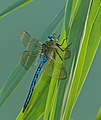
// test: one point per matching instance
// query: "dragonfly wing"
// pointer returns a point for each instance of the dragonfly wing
(63, 72)
(27, 58)
(67, 53)
(50, 66)
(29, 42)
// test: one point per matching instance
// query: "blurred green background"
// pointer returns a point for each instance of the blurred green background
(34, 18)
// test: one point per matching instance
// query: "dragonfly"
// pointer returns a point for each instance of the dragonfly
(47, 52)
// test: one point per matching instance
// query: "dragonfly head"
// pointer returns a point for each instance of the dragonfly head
(54, 37)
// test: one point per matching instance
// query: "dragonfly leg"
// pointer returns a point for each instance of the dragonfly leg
(62, 42)
(61, 48)
(68, 46)
(59, 55)
(65, 48)
(58, 36)
(67, 51)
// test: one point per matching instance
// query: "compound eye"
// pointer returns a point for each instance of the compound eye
(51, 37)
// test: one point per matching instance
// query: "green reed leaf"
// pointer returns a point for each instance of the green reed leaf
(13, 7)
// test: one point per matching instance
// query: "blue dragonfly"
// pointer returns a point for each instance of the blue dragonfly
(47, 52)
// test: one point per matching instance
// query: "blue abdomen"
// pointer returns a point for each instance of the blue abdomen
(42, 62)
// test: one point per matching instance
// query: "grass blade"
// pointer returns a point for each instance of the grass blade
(60, 89)
(54, 101)
(11, 83)
(54, 79)
(94, 39)
(13, 7)
(87, 51)
(98, 117)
